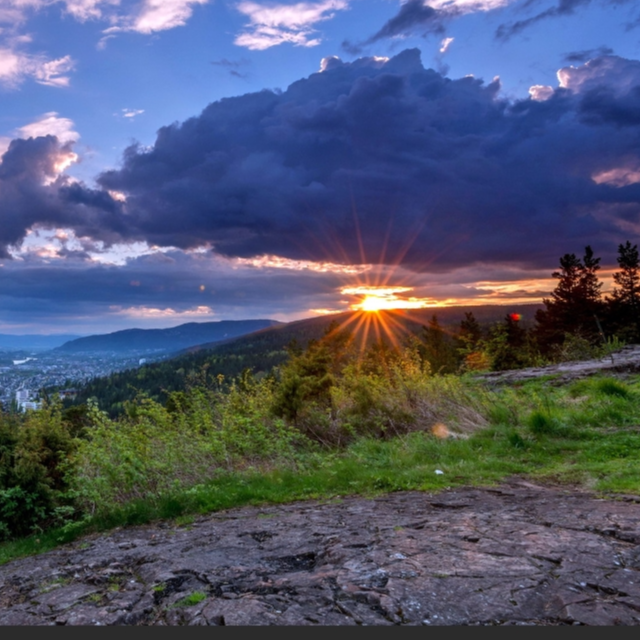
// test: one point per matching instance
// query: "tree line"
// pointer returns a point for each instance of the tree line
(578, 321)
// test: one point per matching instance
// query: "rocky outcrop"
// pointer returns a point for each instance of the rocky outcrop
(625, 361)
(516, 554)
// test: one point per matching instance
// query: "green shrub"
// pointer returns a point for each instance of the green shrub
(34, 470)
(154, 450)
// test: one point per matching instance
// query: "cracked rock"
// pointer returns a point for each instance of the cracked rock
(518, 554)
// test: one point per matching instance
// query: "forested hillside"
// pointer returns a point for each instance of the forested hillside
(167, 340)
(260, 352)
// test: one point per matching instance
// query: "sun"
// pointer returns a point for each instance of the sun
(375, 303)
(379, 298)
(372, 303)
(380, 313)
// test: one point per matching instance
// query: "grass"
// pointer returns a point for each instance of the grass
(191, 600)
(586, 433)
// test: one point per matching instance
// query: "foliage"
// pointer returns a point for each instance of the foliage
(511, 346)
(624, 303)
(438, 348)
(34, 453)
(584, 432)
(575, 304)
(157, 449)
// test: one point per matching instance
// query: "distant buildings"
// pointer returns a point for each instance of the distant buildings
(25, 401)
(32, 406)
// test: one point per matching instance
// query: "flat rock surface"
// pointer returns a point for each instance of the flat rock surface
(515, 554)
(625, 361)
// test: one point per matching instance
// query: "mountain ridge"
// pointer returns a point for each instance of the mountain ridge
(168, 340)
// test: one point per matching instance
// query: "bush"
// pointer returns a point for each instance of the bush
(155, 450)
(34, 471)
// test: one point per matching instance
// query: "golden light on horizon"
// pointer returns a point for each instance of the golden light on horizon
(372, 298)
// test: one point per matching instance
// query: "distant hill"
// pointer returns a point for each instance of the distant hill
(166, 340)
(265, 349)
(403, 322)
(37, 342)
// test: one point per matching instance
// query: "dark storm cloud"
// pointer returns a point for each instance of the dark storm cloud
(26, 166)
(563, 8)
(375, 160)
(399, 160)
(33, 191)
(599, 107)
(587, 54)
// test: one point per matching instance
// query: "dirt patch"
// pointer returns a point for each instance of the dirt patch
(516, 554)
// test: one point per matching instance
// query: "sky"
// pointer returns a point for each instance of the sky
(171, 161)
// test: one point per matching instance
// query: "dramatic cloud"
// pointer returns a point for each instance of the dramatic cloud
(274, 24)
(375, 161)
(399, 160)
(35, 191)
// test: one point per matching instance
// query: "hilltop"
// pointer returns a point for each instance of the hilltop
(166, 340)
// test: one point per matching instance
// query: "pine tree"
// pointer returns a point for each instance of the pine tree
(508, 346)
(470, 331)
(624, 303)
(437, 348)
(575, 304)
(590, 294)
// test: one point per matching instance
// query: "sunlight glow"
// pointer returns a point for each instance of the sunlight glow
(276, 262)
(379, 298)
(325, 312)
